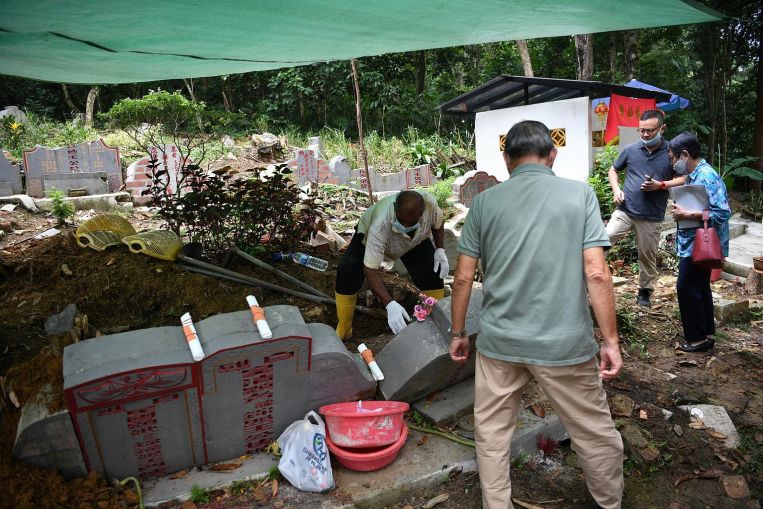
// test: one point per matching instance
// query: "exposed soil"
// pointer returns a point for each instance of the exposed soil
(120, 291)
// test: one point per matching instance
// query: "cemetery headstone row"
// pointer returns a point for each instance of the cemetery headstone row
(87, 160)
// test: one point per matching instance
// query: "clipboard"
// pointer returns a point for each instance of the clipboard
(690, 197)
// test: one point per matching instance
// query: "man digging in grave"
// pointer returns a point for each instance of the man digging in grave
(541, 243)
(401, 226)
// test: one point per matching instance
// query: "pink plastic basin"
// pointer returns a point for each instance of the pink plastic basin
(368, 459)
(380, 426)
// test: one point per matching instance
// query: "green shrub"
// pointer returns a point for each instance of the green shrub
(599, 180)
(442, 190)
(199, 495)
(62, 209)
(172, 110)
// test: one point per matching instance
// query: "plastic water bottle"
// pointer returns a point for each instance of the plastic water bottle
(310, 261)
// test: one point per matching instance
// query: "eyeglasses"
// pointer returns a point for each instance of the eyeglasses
(648, 131)
(672, 159)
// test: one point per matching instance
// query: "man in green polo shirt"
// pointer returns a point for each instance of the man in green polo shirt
(541, 241)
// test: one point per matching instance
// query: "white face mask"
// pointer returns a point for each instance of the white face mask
(404, 229)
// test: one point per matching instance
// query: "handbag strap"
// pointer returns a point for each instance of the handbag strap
(705, 218)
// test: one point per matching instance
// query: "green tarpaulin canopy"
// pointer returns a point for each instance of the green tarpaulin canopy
(107, 41)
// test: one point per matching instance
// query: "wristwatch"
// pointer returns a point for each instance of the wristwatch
(457, 333)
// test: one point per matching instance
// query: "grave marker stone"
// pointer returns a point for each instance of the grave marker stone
(82, 158)
(138, 174)
(307, 166)
(141, 406)
(471, 183)
(9, 174)
(420, 176)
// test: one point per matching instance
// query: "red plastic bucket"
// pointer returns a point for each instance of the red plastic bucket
(368, 459)
(373, 424)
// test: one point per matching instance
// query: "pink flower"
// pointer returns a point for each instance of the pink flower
(417, 309)
(430, 301)
(420, 316)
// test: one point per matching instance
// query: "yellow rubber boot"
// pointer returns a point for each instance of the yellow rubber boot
(437, 294)
(345, 309)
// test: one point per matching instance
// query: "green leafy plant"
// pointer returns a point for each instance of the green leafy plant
(12, 133)
(599, 179)
(199, 495)
(442, 191)
(739, 168)
(62, 208)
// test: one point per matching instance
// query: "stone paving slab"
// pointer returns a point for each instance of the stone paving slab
(421, 465)
(743, 247)
(716, 417)
(449, 405)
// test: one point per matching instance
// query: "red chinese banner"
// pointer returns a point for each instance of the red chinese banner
(625, 111)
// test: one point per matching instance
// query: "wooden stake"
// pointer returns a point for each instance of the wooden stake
(359, 117)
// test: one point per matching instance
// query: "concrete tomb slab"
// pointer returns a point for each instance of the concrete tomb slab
(47, 439)
(450, 404)
(94, 156)
(471, 183)
(10, 174)
(416, 361)
(141, 406)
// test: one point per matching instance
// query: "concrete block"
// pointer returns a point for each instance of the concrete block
(724, 309)
(416, 362)
(6, 189)
(24, 200)
(62, 322)
(46, 439)
(143, 407)
(715, 417)
(99, 202)
(450, 405)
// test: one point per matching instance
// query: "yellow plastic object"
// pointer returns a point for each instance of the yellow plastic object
(102, 231)
(162, 244)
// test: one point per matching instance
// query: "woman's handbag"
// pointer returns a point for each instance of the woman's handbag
(706, 253)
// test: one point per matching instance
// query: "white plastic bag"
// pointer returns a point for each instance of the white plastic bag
(305, 458)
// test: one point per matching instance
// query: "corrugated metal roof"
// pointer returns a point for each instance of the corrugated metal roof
(507, 91)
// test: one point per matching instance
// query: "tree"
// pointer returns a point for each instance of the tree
(527, 65)
(584, 53)
(90, 105)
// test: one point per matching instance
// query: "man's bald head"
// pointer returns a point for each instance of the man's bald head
(409, 207)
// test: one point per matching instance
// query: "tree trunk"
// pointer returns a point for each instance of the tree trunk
(189, 86)
(73, 107)
(90, 106)
(757, 137)
(613, 57)
(584, 53)
(631, 53)
(524, 54)
(421, 71)
(359, 117)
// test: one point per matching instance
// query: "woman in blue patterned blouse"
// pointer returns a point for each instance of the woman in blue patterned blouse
(695, 299)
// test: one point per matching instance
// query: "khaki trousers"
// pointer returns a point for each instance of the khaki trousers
(578, 398)
(647, 242)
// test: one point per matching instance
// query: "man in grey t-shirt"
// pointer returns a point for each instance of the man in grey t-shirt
(541, 241)
(642, 201)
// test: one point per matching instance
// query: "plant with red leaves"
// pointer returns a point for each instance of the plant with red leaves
(546, 444)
